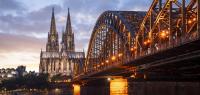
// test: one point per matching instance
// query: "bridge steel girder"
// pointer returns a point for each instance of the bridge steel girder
(167, 24)
(177, 20)
(117, 40)
(111, 37)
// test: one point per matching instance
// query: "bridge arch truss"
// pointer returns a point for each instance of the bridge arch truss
(122, 36)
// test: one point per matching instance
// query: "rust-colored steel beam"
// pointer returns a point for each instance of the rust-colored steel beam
(183, 19)
(170, 22)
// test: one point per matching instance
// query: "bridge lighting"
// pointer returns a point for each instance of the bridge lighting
(145, 43)
(120, 54)
(133, 48)
(189, 21)
(148, 41)
(164, 34)
(113, 58)
(167, 32)
(145, 77)
(194, 19)
(133, 76)
(102, 63)
(119, 86)
(77, 89)
(57, 90)
(108, 79)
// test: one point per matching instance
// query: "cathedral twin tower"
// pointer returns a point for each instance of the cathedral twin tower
(67, 36)
(54, 61)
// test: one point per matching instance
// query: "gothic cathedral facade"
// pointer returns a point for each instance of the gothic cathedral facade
(62, 61)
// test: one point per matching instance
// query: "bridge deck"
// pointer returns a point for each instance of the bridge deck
(183, 59)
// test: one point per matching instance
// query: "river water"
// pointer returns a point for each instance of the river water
(55, 91)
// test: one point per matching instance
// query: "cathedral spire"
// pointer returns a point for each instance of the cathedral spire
(53, 23)
(52, 44)
(68, 24)
(68, 36)
(41, 53)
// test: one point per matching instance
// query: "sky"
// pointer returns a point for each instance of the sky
(24, 25)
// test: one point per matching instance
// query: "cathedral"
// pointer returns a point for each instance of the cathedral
(63, 60)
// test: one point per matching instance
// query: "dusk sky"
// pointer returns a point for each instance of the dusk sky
(24, 25)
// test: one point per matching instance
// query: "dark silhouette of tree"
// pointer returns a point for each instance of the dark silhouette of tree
(30, 81)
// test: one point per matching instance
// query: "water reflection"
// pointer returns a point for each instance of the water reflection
(56, 91)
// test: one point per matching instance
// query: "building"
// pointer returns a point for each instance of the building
(12, 72)
(7, 73)
(60, 61)
(21, 70)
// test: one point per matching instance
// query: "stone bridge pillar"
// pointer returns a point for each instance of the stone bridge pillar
(76, 89)
(118, 86)
(105, 86)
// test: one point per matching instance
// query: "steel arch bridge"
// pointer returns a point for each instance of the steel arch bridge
(121, 37)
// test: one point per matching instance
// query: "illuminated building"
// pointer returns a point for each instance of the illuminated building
(55, 61)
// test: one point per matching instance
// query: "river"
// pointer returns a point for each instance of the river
(55, 91)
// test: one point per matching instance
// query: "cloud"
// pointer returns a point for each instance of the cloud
(18, 43)
(18, 50)
(14, 59)
(23, 29)
(11, 6)
(84, 13)
(135, 5)
(43, 14)
(30, 23)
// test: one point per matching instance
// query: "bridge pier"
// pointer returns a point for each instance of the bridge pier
(119, 86)
(94, 87)
(110, 86)
(131, 86)
(76, 89)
